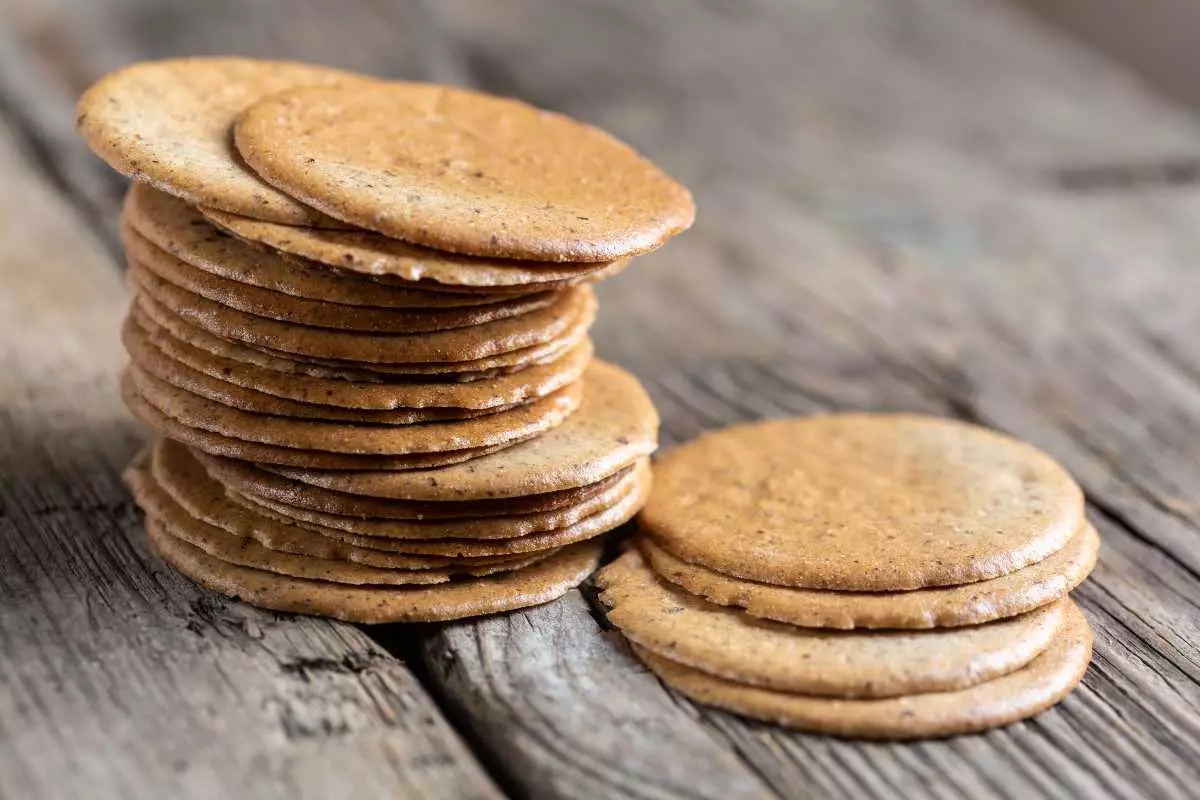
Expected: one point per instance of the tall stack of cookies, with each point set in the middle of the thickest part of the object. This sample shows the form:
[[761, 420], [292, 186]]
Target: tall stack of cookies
[[864, 575], [360, 329]]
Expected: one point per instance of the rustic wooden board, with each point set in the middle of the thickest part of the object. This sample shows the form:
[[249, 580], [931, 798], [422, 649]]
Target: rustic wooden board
[[912, 204]]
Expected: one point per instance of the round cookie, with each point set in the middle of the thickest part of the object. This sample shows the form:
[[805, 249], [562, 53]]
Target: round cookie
[[538, 583], [462, 171], [291, 365], [659, 617], [372, 254], [863, 502], [373, 396], [588, 528], [247, 551], [433, 437], [259, 482], [615, 425], [229, 447], [1043, 682], [499, 526], [459, 345], [181, 230], [168, 123], [937, 607], [282, 307], [156, 362]]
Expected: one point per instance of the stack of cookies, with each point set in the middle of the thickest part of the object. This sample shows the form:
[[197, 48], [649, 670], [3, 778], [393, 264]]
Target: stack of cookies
[[360, 328], [865, 575]]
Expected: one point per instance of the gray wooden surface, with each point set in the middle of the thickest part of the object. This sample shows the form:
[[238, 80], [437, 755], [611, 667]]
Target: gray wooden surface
[[936, 205]]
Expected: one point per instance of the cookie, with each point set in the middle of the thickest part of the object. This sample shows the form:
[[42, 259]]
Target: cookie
[[373, 254], [615, 425], [462, 171], [181, 230], [587, 528], [496, 526], [862, 502], [156, 362], [318, 313], [183, 478], [460, 345], [494, 429], [289, 364], [665, 620], [939, 607], [248, 551], [220, 445], [541, 582], [1016, 696], [371, 396], [168, 123]]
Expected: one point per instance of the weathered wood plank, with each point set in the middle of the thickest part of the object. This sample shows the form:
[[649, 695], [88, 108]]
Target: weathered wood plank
[[118, 677]]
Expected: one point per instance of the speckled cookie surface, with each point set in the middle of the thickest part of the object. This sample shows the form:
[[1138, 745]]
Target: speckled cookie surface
[[327, 398], [538, 327], [533, 585], [289, 364], [181, 230], [461, 171], [183, 478], [283, 307], [168, 123], [587, 528], [868, 502], [664, 619], [494, 429], [374, 254], [937, 607], [615, 425], [1043, 682]]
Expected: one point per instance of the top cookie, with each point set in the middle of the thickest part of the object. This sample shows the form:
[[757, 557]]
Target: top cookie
[[865, 502], [461, 171], [168, 123]]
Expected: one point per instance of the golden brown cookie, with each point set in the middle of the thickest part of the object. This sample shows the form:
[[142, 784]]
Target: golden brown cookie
[[496, 526], [147, 356], [248, 551], [220, 445], [533, 585], [587, 528], [461, 171], [290, 364], [367, 396], [180, 229], [168, 123], [459, 345], [864, 502], [373, 254], [936, 607], [318, 313], [183, 478], [448, 435], [1043, 682], [662, 618], [615, 425]]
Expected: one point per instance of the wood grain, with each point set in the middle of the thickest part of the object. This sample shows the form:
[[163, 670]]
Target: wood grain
[[904, 204]]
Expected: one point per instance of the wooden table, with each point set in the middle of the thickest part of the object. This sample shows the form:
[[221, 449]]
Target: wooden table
[[935, 205]]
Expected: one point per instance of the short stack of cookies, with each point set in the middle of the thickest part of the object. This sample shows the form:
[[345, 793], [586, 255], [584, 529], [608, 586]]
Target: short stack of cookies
[[360, 328], [864, 575]]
